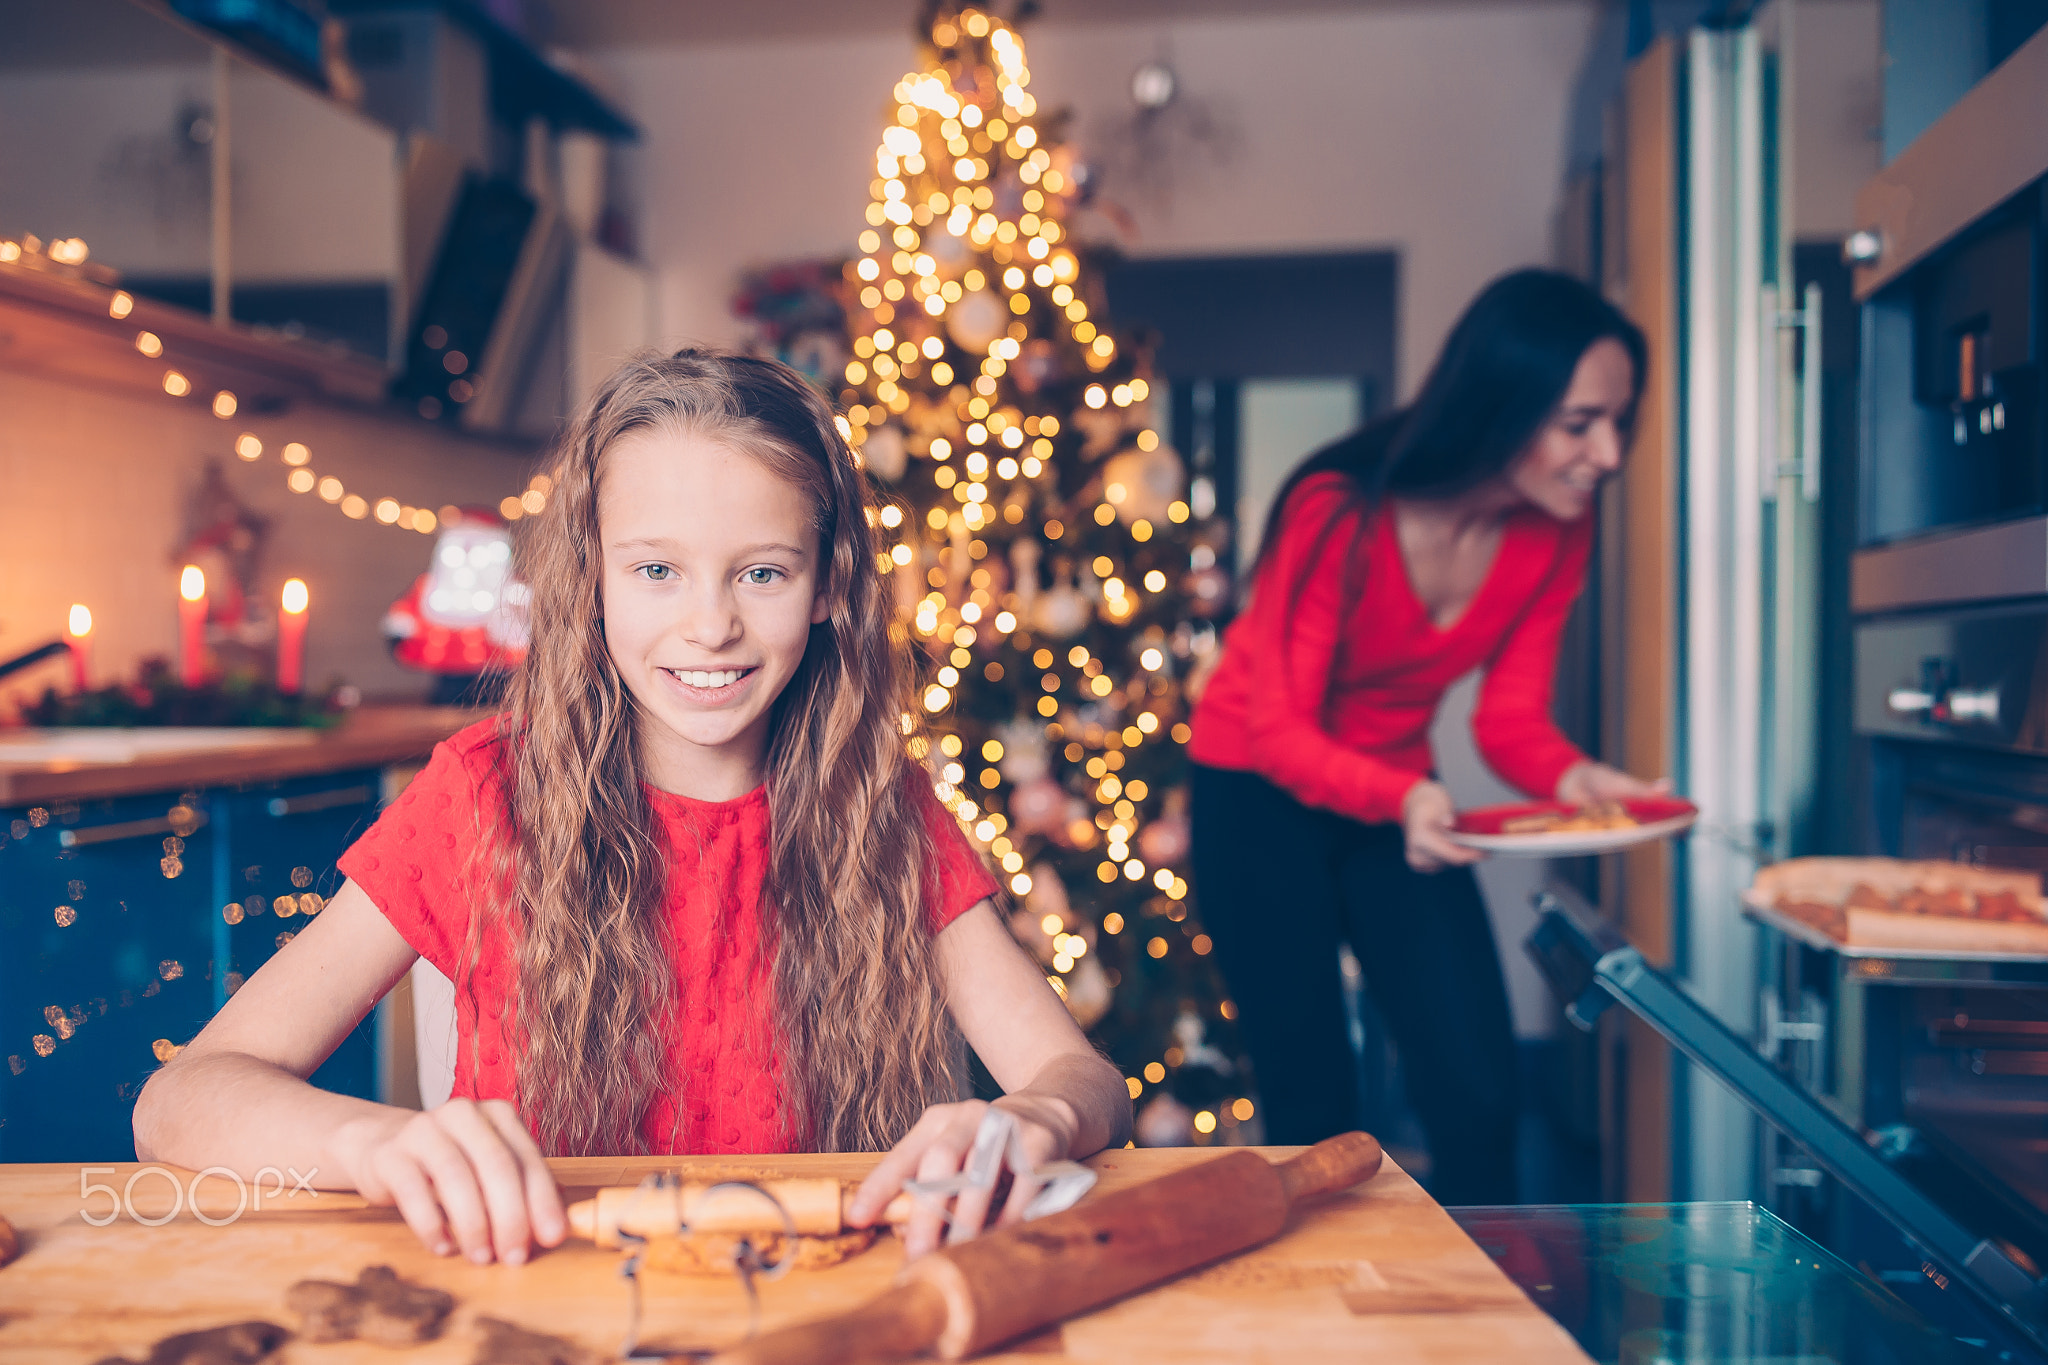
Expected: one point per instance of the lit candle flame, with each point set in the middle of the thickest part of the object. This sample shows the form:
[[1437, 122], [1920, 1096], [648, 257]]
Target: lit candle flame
[[295, 597], [81, 621], [192, 583]]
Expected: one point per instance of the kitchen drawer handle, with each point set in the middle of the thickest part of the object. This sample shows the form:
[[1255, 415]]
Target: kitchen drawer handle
[[182, 826], [327, 800]]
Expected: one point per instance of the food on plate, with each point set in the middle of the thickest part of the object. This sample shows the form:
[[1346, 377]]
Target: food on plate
[[1607, 815]]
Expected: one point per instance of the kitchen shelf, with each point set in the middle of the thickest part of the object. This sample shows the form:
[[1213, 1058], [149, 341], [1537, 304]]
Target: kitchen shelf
[[62, 326], [59, 327], [523, 82]]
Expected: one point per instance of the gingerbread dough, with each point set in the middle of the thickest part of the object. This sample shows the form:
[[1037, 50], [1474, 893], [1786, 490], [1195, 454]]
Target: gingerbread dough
[[379, 1308], [507, 1343], [240, 1343], [711, 1253]]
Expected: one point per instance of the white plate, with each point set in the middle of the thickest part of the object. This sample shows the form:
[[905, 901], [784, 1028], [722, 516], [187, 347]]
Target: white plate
[[1572, 842]]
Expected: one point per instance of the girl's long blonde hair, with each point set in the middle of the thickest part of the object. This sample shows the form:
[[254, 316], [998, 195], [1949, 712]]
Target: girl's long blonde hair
[[860, 1025]]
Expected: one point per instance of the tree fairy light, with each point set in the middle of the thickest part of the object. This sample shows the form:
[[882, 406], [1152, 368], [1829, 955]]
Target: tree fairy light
[[1026, 530]]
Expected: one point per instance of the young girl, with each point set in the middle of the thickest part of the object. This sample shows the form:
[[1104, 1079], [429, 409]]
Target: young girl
[[694, 895]]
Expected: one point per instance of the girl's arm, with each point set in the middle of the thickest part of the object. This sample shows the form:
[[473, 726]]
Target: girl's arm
[[1068, 1100], [237, 1096]]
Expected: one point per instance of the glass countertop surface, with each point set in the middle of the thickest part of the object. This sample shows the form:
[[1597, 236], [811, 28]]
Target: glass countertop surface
[[1689, 1284]]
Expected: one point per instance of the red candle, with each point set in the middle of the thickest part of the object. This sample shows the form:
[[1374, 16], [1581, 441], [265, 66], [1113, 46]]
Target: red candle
[[192, 626], [291, 637], [76, 633]]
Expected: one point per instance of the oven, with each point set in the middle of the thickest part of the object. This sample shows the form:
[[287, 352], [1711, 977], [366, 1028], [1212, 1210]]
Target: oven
[[1939, 1056]]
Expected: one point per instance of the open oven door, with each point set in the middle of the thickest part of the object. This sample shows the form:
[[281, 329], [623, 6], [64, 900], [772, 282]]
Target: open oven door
[[1590, 966]]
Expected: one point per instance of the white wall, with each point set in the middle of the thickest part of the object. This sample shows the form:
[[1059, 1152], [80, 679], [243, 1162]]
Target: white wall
[[97, 485], [1439, 132]]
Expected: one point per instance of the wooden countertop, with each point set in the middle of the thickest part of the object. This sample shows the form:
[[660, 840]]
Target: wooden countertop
[[1379, 1273], [370, 737]]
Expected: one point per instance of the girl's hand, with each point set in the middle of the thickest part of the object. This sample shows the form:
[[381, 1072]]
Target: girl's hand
[[1426, 816], [467, 1174], [1587, 783], [937, 1147]]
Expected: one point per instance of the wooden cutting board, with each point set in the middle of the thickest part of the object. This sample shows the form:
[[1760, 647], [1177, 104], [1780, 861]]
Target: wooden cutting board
[[1380, 1273]]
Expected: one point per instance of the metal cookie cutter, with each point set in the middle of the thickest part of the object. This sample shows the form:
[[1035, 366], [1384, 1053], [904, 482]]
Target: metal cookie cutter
[[746, 1263], [1063, 1182]]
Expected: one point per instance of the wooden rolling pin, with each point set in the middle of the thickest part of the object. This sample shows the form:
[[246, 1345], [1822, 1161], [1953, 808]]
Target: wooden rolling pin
[[965, 1299], [817, 1206]]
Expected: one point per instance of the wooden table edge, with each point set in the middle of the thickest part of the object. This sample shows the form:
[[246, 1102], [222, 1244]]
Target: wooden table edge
[[372, 738]]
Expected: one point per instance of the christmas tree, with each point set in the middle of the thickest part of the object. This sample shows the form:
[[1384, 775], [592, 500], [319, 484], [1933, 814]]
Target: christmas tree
[[1039, 533]]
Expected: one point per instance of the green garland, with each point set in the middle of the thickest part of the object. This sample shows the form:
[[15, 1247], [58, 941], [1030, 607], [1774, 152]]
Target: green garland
[[157, 697]]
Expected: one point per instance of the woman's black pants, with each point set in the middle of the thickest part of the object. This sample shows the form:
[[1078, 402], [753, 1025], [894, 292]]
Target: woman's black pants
[[1279, 885]]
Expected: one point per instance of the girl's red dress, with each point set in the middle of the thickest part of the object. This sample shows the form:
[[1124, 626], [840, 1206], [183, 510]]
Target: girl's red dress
[[416, 865]]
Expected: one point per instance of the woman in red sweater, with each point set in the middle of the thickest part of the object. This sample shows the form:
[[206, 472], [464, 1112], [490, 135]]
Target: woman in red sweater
[[1449, 536]]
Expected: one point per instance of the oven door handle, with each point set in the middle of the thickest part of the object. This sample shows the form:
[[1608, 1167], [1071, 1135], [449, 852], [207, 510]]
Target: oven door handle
[[181, 821]]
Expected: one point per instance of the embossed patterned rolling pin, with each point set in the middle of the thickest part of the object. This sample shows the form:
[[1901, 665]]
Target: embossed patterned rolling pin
[[966, 1299]]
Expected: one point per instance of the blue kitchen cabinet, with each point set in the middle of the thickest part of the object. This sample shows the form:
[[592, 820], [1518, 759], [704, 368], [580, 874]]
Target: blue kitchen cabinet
[[126, 923]]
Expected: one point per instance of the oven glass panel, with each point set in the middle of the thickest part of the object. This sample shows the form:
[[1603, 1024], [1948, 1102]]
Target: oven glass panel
[[1973, 1061]]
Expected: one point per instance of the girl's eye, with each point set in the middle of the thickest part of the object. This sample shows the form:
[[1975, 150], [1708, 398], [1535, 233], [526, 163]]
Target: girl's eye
[[761, 575], [656, 573]]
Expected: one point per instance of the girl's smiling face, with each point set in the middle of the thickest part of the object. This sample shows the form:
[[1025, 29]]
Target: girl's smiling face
[[711, 585]]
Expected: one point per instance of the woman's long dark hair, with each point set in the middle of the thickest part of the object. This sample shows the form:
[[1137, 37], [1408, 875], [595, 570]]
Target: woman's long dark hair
[[1500, 376]]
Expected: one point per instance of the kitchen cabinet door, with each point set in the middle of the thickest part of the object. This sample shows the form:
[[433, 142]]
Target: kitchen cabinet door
[[125, 924], [282, 840], [105, 965]]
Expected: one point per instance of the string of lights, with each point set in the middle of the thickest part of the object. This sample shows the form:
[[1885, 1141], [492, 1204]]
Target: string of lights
[[296, 456], [1036, 529]]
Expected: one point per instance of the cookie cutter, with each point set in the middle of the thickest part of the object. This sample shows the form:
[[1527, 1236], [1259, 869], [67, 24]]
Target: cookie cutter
[[746, 1263], [1000, 1137]]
